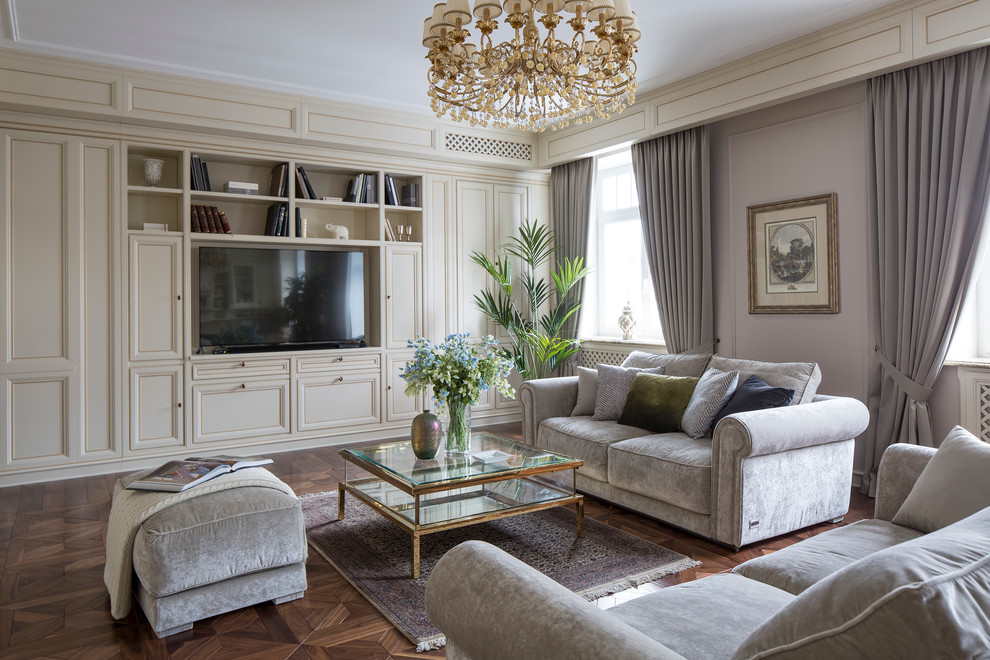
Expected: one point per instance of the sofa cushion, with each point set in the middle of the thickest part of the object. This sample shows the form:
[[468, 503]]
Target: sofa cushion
[[613, 388], [954, 484], [802, 377], [798, 566], [657, 402], [587, 393], [706, 618], [586, 439], [923, 598], [671, 467], [754, 394], [218, 536], [713, 391], [674, 365]]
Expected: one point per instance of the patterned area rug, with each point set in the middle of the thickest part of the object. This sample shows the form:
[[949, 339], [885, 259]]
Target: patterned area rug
[[374, 556]]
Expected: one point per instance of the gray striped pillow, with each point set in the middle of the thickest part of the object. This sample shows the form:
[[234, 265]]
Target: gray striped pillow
[[613, 389], [711, 394]]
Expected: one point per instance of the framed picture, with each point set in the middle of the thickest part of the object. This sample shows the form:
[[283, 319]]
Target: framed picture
[[793, 257]]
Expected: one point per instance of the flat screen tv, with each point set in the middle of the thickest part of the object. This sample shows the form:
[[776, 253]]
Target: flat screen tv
[[259, 299]]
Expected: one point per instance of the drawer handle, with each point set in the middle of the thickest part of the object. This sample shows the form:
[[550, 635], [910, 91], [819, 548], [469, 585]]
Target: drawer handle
[[178, 405], [340, 378], [388, 297], [389, 388], [178, 297], [340, 358], [243, 364], [243, 386]]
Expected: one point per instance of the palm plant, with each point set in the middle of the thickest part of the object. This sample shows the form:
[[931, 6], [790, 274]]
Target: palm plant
[[533, 321]]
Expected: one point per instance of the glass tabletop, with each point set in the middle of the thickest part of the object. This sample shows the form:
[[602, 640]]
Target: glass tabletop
[[489, 455]]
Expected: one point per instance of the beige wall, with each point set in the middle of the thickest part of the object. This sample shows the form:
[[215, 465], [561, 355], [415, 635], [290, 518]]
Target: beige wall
[[807, 147]]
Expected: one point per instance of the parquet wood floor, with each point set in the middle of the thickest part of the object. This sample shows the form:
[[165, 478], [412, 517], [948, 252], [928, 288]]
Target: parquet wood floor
[[53, 603]]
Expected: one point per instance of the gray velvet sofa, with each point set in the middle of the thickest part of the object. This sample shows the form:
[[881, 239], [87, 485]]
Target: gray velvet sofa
[[873, 589], [758, 475]]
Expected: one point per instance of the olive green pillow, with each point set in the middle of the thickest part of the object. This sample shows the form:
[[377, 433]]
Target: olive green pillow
[[657, 403]]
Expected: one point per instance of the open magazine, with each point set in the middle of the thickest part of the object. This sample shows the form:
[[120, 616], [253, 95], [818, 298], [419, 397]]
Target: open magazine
[[176, 476]]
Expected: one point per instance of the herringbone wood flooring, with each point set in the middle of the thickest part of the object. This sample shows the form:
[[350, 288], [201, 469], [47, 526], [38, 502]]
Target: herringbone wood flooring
[[53, 603]]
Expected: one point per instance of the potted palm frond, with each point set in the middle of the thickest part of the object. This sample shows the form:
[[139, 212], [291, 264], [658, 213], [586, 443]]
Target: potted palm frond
[[534, 319]]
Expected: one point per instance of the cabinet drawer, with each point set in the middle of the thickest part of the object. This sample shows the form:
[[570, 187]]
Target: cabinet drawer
[[239, 368], [344, 360], [233, 410], [324, 402]]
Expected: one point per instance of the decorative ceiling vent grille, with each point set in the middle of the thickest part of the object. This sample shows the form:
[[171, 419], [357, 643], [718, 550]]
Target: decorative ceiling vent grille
[[983, 414], [471, 144], [591, 359]]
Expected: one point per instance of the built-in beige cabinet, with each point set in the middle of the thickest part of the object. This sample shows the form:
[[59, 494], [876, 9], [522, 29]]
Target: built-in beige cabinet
[[403, 294], [155, 281], [156, 413], [59, 250], [239, 410], [336, 400], [398, 406]]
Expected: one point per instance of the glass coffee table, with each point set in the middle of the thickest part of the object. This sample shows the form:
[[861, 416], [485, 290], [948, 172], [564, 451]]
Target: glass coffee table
[[497, 478]]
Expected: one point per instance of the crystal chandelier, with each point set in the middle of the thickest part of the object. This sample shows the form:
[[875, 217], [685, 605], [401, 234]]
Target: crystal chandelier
[[532, 81]]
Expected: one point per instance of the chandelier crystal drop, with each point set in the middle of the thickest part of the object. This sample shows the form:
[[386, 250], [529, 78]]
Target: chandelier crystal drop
[[534, 81]]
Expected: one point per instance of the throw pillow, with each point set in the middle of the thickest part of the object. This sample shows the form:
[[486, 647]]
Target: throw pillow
[[954, 484], [712, 393], [613, 388], [657, 403], [587, 392], [754, 394], [802, 377]]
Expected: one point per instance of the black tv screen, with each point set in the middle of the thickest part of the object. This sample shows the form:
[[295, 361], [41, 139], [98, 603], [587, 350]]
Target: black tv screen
[[271, 299]]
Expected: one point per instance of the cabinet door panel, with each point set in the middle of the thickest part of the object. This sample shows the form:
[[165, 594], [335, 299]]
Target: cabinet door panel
[[156, 308], [398, 406], [156, 407], [331, 401], [38, 406], [473, 231], [234, 410], [403, 294]]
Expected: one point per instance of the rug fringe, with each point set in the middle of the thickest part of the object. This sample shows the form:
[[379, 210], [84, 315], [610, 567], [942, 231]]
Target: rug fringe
[[431, 644], [640, 578]]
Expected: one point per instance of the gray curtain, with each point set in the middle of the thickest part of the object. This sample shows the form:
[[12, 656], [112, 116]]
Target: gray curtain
[[931, 152], [570, 208], [672, 182]]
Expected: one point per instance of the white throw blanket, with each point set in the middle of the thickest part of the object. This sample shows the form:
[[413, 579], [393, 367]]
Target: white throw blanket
[[132, 507]]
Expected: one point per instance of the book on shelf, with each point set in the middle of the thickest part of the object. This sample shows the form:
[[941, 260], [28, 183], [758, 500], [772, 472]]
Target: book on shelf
[[226, 225], [301, 192], [270, 220], [279, 186], [177, 476], [195, 172], [299, 220], [358, 191], [410, 194], [349, 192], [389, 231], [390, 198], [194, 219], [206, 176], [307, 186], [215, 219]]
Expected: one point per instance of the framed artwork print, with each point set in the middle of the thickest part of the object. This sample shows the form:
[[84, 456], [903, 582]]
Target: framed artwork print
[[793, 256]]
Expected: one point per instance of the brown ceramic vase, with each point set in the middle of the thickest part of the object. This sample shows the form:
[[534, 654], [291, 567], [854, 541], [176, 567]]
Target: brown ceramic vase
[[425, 435]]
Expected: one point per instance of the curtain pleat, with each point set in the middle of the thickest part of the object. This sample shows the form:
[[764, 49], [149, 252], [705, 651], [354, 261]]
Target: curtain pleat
[[570, 208], [672, 183], [931, 156]]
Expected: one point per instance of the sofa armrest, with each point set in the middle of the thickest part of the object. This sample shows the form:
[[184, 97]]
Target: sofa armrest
[[900, 467], [545, 398], [491, 605], [775, 430]]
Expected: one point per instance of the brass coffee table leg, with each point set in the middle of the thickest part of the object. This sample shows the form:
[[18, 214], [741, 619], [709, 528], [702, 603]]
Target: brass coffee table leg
[[340, 501], [415, 555], [580, 518]]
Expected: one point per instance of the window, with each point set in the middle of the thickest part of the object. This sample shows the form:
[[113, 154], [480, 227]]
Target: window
[[972, 335], [621, 274]]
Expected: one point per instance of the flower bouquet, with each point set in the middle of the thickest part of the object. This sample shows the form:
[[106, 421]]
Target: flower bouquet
[[457, 372]]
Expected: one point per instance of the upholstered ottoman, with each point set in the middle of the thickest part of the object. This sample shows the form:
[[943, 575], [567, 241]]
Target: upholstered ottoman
[[216, 553]]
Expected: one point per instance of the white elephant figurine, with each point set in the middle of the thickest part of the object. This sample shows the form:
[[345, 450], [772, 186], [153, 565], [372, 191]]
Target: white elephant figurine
[[337, 231]]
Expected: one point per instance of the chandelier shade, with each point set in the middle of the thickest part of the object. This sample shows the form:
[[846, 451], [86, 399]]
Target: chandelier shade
[[550, 71]]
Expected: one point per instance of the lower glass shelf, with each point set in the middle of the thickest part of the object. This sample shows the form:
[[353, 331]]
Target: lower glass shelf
[[459, 503]]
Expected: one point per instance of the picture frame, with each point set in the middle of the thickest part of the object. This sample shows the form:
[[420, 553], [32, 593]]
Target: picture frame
[[793, 256]]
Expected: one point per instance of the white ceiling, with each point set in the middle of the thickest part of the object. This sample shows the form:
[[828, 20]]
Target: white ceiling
[[369, 51]]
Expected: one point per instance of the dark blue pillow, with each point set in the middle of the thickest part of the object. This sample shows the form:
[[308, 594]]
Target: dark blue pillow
[[754, 394]]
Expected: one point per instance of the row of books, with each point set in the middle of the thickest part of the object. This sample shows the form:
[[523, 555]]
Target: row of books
[[362, 189], [209, 220], [200, 174], [277, 222]]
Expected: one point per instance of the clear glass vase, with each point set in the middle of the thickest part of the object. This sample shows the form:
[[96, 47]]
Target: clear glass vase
[[458, 426]]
